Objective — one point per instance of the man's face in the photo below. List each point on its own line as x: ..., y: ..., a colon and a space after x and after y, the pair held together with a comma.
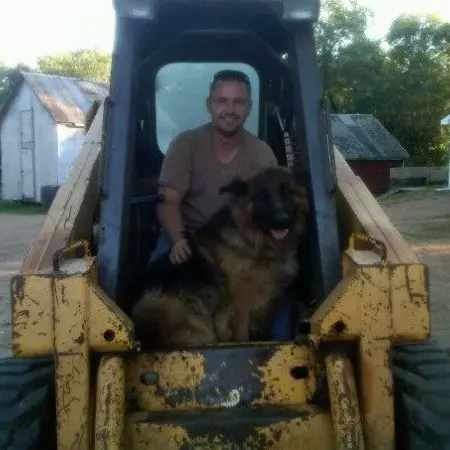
x: 229, y: 106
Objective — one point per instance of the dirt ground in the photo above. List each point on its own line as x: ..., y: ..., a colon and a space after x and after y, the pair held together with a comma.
x: 423, y: 217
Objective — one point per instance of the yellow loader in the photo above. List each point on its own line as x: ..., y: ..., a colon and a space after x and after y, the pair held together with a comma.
x: 359, y: 373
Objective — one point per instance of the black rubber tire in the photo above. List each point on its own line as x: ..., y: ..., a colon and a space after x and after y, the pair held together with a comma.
x: 422, y: 396
x: 27, y: 407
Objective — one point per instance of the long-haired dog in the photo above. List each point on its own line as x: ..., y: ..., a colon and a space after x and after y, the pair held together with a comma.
x: 243, y: 260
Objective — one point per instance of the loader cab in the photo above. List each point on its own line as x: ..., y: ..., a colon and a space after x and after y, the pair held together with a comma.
x: 164, y: 58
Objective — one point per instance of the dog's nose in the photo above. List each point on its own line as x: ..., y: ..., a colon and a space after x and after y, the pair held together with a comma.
x: 281, y: 220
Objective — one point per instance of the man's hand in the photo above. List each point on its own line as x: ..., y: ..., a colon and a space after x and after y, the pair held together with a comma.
x: 180, y: 252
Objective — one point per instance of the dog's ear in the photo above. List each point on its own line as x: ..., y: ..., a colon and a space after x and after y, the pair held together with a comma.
x: 301, y: 198
x: 237, y: 187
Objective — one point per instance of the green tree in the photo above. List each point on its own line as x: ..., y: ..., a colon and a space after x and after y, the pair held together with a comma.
x: 419, y: 74
x: 403, y: 81
x: 341, y: 26
x: 88, y: 64
x: 8, y: 77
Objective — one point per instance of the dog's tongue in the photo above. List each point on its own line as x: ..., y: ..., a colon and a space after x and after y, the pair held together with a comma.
x: 279, y: 234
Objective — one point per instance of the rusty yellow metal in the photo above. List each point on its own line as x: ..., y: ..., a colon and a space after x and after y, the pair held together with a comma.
x: 110, y: 404
x: 375, y: 304
x: 280, y: 386
x: 174, y: 370
x: 67, y: 315
x: 111, y: 330
x: 185, y: 370
x: 69, y: 318
x: 344, y: 403
x: 71, y: 328
x: 362, y: 303
x: 410, y: 314
x: 311, y: 429
x: 33, y: 312
x: 32, y: 315
x: 377, y: 394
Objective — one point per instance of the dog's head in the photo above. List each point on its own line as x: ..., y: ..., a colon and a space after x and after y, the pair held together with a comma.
x: 271, y: 202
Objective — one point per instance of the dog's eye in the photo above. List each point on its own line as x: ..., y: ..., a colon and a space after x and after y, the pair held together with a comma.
x: 284, y: 189
x: 263, y: 195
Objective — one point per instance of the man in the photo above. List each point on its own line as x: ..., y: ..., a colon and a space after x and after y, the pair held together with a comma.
x: 200, y: 161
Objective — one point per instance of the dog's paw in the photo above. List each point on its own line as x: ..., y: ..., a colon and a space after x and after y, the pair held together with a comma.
x: 222, y: 324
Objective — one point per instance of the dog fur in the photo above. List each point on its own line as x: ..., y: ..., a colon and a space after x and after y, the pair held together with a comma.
x: 243, y: 260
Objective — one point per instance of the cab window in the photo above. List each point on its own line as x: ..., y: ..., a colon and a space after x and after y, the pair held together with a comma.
x: 181, y: 92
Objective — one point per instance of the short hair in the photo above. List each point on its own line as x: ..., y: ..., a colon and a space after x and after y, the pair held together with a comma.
x: 231, y: 75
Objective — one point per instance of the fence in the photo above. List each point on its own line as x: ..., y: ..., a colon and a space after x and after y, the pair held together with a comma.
x: 414, y: 176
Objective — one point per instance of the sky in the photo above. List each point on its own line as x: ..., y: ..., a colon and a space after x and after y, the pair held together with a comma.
x: 31, y: 28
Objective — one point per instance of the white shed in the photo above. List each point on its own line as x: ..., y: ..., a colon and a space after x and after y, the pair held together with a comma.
x: 41, y: 131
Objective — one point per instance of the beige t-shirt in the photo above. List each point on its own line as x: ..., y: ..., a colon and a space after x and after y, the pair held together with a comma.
x: 191, y: 168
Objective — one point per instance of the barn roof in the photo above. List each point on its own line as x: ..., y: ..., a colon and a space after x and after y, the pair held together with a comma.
x: 362, y: 136
x: 67, y: 99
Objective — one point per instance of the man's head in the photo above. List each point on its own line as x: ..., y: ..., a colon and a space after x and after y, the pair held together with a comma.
x: 229, y: 102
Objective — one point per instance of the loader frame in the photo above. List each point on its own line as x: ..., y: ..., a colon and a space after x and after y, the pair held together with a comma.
x: 382, y: 298
x: 67, y: 303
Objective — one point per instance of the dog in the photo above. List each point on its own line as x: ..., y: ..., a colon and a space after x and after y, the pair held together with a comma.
x: 244, y: 259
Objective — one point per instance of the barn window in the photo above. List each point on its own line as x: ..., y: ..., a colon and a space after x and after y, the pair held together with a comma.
x: 181, y: 92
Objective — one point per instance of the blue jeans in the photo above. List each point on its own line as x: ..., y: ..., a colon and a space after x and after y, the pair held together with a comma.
x: 281, y: 327
x: 163, y: 245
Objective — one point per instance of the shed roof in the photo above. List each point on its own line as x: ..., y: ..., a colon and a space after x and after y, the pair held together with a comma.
x: 362, y: 136
x: 67, y: 99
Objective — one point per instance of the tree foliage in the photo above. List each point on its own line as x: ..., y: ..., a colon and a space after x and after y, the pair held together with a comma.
x: 8, y: 78
x: 89, y: 64
x: 403, y: 81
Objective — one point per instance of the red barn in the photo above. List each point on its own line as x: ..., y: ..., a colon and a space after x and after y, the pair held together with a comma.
x: 368, y: 147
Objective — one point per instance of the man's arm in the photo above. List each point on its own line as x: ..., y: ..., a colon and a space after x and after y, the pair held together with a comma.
x: 266, y: 156
x: 169, y: 216
x: 175, y: 182
x: 169, y: 213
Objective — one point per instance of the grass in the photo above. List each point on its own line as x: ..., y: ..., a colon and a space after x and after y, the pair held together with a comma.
x: 18, y: 207
x: 428, y: 192
x: 429, y: 232
x: 434, y: 226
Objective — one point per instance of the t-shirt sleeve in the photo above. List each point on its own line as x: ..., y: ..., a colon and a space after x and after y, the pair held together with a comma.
x: 176, y: 167
x: 265, y: 156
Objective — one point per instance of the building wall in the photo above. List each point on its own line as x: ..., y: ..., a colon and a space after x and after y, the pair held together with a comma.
x: 42, y: 149
x: 375, y: 174
x: 10, y: 147
x: 70, y: 140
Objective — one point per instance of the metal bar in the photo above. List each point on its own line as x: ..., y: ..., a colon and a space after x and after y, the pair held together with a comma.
x: 119, y: 154
x: 344, y: 402
x: 151, y: 199
x: 72, y: 380
x: 311, y: 139
x: 110, y: 404
x: 377, y: 398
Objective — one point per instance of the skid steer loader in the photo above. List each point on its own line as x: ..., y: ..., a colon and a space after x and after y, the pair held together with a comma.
x: 350, y: 379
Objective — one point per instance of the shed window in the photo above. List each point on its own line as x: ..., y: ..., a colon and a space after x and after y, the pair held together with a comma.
x: 181, y: 92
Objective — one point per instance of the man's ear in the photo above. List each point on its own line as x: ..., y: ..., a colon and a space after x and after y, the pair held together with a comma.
x: 238, y: 188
